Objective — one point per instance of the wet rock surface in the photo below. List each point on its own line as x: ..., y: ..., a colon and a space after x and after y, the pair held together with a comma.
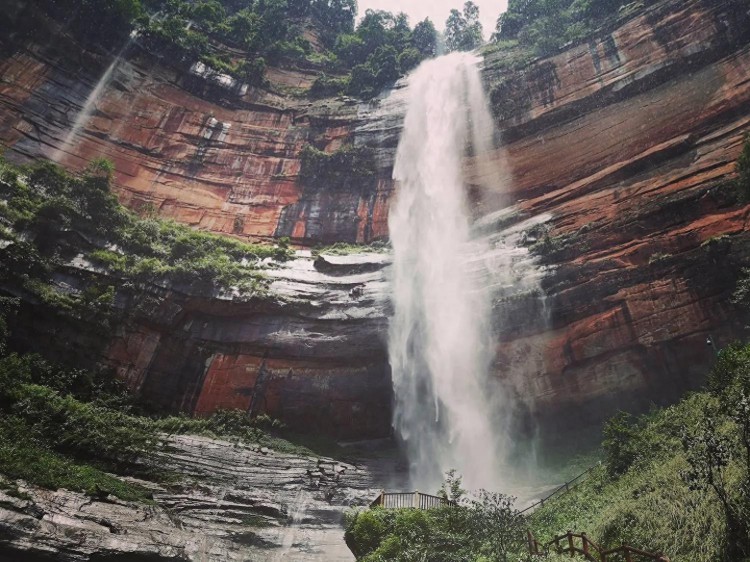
x: 230, y: 502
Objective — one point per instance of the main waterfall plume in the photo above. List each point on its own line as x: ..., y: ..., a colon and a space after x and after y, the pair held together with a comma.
x: 438, y: 337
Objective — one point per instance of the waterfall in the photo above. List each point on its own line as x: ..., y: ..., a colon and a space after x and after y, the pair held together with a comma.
x: 439, y: 344
x: 89, y: 105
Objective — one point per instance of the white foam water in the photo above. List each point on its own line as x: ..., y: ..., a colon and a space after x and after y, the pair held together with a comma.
x: 445, y: 412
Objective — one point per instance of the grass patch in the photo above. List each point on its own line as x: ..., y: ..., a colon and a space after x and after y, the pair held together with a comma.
x: 29, y: 460
x: 346, y: 249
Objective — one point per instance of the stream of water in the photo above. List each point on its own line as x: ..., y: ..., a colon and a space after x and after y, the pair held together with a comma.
x: 439, y: 343
x: 89, y: 105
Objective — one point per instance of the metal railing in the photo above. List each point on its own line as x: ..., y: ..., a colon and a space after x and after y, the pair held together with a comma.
x: 402, y: 500
x: 579, y: 544
x: 562, y: 489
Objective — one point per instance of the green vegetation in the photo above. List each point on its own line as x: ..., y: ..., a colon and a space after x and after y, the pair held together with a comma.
x: 547, y: 25
x: 185, y: 30
x: 240, y: 427
x: 675, y: 480
x: 50, y: 215
x: 64, y: 428
x: 69, y: 428
x: 337, y: 169
x: 240, y: 38
x: 483, y: 529
x: 345, y: 249
x: 382, y: 49
x: 463, y: 31
x: 265, y: 30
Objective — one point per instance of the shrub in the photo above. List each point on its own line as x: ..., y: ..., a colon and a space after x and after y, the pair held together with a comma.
x: 487, y: 528
x: 743, y: 170
x: 327, y: 86
x: 336, y: 169
x: 365, y: 532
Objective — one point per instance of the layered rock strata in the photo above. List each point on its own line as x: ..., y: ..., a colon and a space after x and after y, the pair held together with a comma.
x: 232, y: 502
x: 187, y: 144
x: 626, y: 144
x: 616, y: 238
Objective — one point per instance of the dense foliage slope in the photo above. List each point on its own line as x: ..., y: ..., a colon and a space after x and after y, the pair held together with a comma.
x: 546, y: 25
x: 61, y: 425
x: 675, y: 480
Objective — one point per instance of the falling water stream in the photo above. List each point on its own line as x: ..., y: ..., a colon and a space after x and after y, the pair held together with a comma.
x: 439, y: 333
x: 89, y: 105
x: 289, y: 532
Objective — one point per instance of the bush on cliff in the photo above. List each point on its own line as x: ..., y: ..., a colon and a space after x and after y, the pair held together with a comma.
x: 547, y: 25
x: 743, y: 170
x: 51, y: 216
x: 675, y: 480
x: 336, y: 169
x: 446, y: 534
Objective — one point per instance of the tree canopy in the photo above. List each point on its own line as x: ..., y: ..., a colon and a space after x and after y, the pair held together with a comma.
x: 546, y: 25
x: 463, y: 31
x: 382, y: 48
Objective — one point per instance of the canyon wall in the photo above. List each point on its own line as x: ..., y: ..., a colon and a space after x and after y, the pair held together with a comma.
x: 188, y: 144
x: 626, y: 144
x: 613, y: 189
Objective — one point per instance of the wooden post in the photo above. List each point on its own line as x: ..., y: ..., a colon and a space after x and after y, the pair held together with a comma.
x: 415, y: 502
x: 571, y: 548
x: 530, y: 539
x: 382, y: 498
x: 585, y: 541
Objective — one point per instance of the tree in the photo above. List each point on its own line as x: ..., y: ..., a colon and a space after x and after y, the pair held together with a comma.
x: 424, y: 38
x: 374, y: 29
x: 463, y: 31
x: 336, y: 17
x: 350, y: 48
x: 452, y: 487
x: 409, y: 59
x: 497, y: 525
x: 384, y: 63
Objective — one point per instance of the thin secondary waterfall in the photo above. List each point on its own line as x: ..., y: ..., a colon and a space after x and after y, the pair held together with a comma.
x: 89, y: 105
x: 439, y: 333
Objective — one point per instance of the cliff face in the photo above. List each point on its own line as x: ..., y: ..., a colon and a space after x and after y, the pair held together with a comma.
x: 196, y: 147
x: 625, y: 143
x: 616, y: 257
x: 235, y: 503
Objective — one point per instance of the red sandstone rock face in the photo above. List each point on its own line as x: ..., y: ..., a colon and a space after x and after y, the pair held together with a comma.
x: 184, y: 146
x: 621, y: 144
x: 626, y: 142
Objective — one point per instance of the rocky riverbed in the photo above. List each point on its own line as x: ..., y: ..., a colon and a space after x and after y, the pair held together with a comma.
x: 225, y: 502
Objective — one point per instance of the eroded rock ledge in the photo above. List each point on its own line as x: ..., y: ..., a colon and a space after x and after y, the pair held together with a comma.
x: 232, y: 502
